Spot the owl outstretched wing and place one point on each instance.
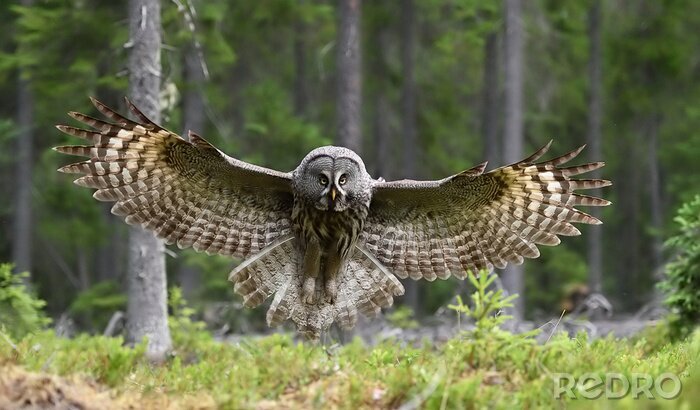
(476, 220)
(187, 192)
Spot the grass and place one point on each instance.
(495, 370)
(485, 367)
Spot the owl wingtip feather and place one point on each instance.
(537, 154)
(474, 171)
(603, 202)
(101, 107)
(67, 169)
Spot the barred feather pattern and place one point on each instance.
(476, 220)
(193, 195)
(364, 286)
(188, 192)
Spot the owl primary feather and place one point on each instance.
(326, 240)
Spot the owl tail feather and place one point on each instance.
(261, 275)
(365, 285)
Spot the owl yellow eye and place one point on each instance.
(343, 179)
(323, 180)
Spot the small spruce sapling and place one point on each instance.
(682, 283)
(487, 305)
(20, 311)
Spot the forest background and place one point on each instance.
(261, 81)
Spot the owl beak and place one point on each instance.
(333, 194)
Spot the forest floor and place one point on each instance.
(477, 368)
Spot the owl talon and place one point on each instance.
(331, 291)
(308, 291)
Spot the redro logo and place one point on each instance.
(616, 386)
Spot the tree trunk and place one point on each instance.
(489, 118)
(408, 120)
(193, 113)
(83, 268)
(657, 210)
(349, 66)
(513, 128)
(655, 192)
(147, 314)
(628, 255)
(301, 91)
(408, 90)
(193, 108)
(383, 137)
(109, 254)
(382, 134)
(594, 140)
(23, 217)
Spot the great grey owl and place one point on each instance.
(326, 239)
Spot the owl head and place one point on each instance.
(333, 179)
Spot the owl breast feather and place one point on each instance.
(330, 227)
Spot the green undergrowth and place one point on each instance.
(483, 367)
(499, 372)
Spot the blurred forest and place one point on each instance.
(442, 85)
